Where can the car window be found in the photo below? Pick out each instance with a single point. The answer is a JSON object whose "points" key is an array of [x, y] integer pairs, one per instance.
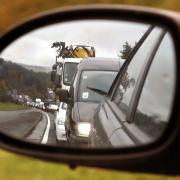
{"points": [[101, 80], [129, 79], [69, 71], [155, 102]]}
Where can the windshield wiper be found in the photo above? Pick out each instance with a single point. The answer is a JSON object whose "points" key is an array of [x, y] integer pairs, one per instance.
{"points": [[98, 91]]}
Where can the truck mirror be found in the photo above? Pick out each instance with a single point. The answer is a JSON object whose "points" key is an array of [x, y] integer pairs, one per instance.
{"points": [[53, 76], [63, 95]]}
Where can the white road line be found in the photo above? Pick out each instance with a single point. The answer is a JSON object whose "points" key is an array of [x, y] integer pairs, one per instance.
{"points": [[46, 134]]}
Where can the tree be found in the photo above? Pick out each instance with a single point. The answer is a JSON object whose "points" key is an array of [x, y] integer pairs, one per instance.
{"points": [[126, 50]]}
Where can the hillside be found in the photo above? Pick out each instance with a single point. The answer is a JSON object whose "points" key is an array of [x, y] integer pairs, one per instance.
{"points": [[16, 78], [36, 68]]}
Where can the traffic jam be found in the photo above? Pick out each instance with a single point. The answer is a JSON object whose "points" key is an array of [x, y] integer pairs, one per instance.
{"points": [[54, 123], [79, 95]]}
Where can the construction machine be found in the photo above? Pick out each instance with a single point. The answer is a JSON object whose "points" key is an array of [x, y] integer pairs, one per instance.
{"points": [[67, 59], [73, 51]]}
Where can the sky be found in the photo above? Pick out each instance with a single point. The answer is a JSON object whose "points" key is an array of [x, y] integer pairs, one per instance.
{"points": [[107, 37]]}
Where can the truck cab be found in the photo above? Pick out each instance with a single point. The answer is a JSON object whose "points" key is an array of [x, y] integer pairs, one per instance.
{"points": [[68, 71]]}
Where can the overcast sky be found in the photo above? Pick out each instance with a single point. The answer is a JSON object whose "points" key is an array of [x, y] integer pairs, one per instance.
{"points": [[106, 36]]}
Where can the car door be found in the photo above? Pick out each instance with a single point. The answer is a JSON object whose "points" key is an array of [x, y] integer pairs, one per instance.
{"points": [[152, 109], [124, 127]]}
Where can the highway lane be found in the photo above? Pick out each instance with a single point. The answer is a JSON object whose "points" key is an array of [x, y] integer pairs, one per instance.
{"points": [[18, 123], [52, 132], [37, 134], [47, 129], [30, 125], [44, 132]]}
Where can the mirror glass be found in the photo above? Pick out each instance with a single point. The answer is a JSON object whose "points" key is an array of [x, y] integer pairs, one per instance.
{"points": [[76, 62]]}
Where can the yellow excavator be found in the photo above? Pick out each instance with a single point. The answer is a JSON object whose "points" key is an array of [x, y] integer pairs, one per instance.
{"points": [[73, 51]]}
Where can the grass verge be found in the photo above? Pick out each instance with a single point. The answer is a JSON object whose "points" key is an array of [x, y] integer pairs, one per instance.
{"points": [[11, 106], [15, 167]]}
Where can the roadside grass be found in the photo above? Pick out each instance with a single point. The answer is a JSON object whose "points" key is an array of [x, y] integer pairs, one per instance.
{"points": [[11, 106], [16, 167]]}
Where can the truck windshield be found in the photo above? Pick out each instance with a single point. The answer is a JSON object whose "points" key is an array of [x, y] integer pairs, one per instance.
{"points": [[70, 70], [101, 80]]}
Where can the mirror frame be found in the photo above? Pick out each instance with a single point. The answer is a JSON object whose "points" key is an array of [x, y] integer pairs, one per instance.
{"points": [[149, 158]]}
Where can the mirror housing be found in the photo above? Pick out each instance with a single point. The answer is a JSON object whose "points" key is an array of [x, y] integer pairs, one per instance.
{"points": [[148, 158], [53, 76]]}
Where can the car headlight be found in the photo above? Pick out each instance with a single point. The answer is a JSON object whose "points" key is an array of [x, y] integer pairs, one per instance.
{"points": [[83, 129]]}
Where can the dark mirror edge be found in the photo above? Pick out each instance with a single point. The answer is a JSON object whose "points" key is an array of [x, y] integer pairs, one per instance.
{"points": [[146, 158]]}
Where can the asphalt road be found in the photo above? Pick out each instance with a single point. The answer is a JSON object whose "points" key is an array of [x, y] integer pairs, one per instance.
{"points": [[30, 125], [18, 123], [52, 132]]}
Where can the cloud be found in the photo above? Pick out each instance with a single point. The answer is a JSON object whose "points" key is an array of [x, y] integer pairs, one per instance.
{"points": [[107, 36]]}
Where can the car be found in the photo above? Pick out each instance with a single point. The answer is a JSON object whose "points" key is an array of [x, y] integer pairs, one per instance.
{"points": [[137, 107], [93, 75], [41, 105], [59, 120], [60, 132], [51, 108], [61, 113]]}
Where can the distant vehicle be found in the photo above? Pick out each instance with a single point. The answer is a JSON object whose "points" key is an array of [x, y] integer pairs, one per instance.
{"points": [[41, 105], [61, 113], [28, 103], [60, 118], [52, 108], [22, 99], [93, 76], [32, 104], [37, 102]]}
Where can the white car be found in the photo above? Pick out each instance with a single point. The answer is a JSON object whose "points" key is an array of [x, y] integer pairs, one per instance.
{"points": [[41, 105], [60, 118], [52, 107]]}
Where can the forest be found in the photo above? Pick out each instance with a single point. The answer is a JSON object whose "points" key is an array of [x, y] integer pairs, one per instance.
{"points": [[16, 79]]}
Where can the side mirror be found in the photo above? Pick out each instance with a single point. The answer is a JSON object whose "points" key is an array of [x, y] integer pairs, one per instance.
{"points": [[63, 95], [53, 76], [54, 67], [121, 144]]}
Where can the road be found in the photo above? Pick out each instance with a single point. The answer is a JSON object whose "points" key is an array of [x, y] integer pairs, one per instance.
{"points": [[31, 125]]}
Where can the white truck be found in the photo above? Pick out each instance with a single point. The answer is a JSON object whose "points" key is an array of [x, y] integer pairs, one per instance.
{"points": [[67, 59]]}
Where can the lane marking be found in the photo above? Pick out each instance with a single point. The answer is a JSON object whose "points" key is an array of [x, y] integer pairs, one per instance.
{"points": [[46, 134]]}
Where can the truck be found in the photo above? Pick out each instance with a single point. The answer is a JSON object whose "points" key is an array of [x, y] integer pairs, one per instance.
{"points": [[67, 59]]}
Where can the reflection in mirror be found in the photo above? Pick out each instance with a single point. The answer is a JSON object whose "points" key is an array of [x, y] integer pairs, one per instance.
{"points": [[83, 58]]}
